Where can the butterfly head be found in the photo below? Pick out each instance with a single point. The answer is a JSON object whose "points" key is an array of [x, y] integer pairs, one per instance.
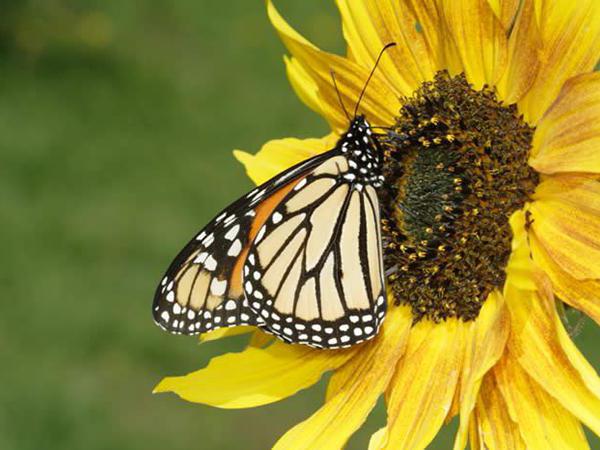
{"points": [[360, 124], [359, 133]]}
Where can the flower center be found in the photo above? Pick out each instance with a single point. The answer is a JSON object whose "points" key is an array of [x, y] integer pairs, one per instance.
{"points": [[455, 169]]}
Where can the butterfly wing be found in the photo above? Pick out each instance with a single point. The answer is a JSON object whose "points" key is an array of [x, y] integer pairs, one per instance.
{"points": [[202, 289], [314, 273]]}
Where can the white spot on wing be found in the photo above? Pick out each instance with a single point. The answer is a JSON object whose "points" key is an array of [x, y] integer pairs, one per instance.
{"points": [[233, 232], [260, 235], [230, 305], [276, 217], [209, 240], [201, 258], [300, 184], [217, 287], [210, 263], [235, 248]]}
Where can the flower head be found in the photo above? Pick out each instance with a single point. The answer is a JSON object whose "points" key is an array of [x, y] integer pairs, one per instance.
{"points": [[491, 218]]}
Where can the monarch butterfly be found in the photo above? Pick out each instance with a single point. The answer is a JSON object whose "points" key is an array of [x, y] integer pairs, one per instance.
{"points": [[299, 256]]}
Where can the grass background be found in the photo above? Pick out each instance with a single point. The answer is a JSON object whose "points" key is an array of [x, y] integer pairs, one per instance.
{"points": [[117, 121]]}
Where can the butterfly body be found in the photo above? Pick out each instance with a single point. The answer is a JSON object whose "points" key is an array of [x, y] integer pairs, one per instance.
{"points": [[299, 256]]}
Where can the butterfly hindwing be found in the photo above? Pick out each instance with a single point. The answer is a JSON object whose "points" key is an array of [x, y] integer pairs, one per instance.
{"points": [[202, 289], [314, 273]]}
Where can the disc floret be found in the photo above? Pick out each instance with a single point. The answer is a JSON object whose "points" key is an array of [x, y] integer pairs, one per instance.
{"points": [[456, 169]]}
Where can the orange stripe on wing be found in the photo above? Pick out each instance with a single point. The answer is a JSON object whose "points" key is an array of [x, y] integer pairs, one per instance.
{"points": [[263, 212]]}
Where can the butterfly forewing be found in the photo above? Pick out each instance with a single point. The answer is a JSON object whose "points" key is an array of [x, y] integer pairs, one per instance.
{"points": [[202, 289], [314, 273]]}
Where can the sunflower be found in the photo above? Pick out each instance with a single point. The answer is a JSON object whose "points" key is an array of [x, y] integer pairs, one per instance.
{"points": [[491, 216]]}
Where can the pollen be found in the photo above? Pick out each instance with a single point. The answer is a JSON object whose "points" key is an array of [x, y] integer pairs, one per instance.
{"points": [[456, 169]]}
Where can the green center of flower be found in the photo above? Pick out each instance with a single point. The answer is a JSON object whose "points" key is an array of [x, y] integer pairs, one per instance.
{"points": [[456, 169]]}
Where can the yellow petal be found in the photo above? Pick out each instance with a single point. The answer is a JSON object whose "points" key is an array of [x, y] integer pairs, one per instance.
{"points": [[523, 62], [380, 103], [371, 24], [568, 229], [421, 391], [378, 439], [505, 10], [225, 332], [401, 318], [484, 345], [542, 347], [519, 264], [358, 385], [568, 136], [543, 422], [480, 39], [491, 426], [305, 87], [427, 15], [571, 46], [254, 376], [279, 154], [474, 439], [454, 409], [260, 339], [582, 190], [583, 295], [580, 364]]}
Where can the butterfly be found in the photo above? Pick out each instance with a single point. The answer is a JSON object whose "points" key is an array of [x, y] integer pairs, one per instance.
{"points": [[300, 256]]}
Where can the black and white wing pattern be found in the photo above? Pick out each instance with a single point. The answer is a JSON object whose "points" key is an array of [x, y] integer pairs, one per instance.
{"points": [[300, 256], [202, 289], [314, 273]]}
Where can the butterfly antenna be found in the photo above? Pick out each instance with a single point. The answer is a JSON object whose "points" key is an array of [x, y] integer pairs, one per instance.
{"points": [[339, 95], [391, 44]]}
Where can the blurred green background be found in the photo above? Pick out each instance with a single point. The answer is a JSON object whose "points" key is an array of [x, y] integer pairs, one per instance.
{"points": [[117, 121]]}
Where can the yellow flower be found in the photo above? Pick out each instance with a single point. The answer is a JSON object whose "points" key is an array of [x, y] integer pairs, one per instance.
{"points": [[500, 359]]}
